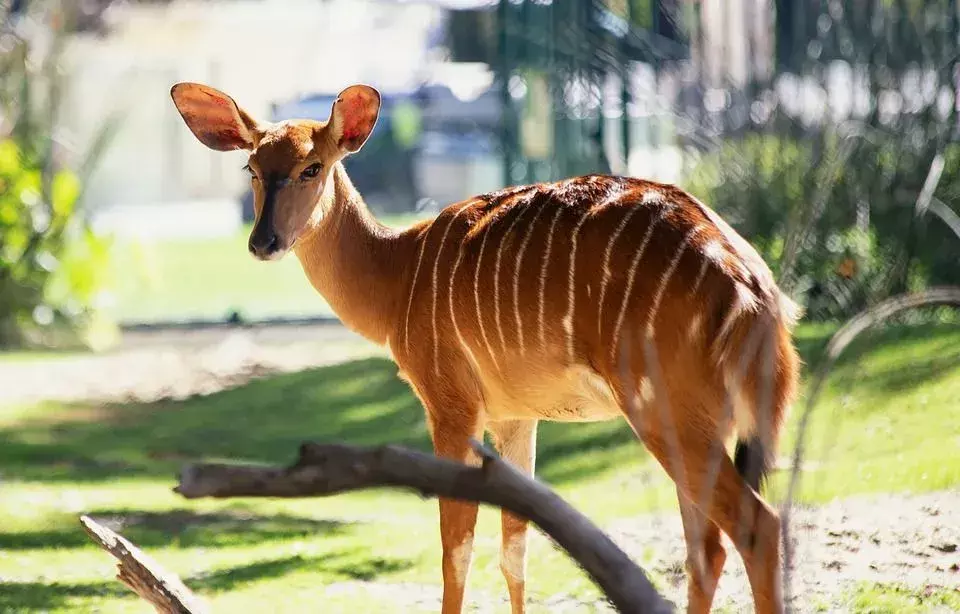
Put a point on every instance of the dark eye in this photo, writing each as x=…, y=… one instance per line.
x=250, y=170
x=311, y=171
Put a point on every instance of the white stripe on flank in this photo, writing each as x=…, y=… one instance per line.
x=631, y=276
x=413, y=287
x=543, y=276
x=436, y=264
x=665, y=279
x=700, y=276
x=612, y=197
x=516, y=276
x=606, y=265
x=453, y=316
x=571, y=288
x=476, y=296
x=496, y=275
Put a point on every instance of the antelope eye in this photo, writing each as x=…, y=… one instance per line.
x=247, y=168
x=311, y=171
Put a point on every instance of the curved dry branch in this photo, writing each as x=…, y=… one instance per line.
x=330, y=469
x=144, y=576
x=948, y=295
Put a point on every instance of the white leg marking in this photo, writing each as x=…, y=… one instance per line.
x=476, y=298
x=436, y=264
x=631, y=275
x=496, y=277
x=460, y=558
x=413, y=287
x=516, y=277
x=513, y=556
x=543, y=276
x=665, y=278
x=646, y=389
x=606, y=265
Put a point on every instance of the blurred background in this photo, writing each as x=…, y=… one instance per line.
x=811, y=125
x=137, y=332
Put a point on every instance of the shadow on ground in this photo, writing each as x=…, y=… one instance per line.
x=361, y=402
x=179, y=527
x=347, y=565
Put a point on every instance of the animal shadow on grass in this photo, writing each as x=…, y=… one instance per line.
x=348, y=565
x=41, y=596
x=264, y=420
x=182, y=528
x=361, y=402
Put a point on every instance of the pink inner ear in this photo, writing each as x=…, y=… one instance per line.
x=357, y=114
x=225, y=137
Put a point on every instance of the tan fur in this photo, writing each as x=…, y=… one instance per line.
x=588, y=299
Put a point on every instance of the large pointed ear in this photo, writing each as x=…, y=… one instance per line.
x=214, y=118
x=353, y=117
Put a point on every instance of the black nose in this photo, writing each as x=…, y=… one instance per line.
x=264, y=243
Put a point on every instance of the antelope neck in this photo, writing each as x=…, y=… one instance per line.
x=356, y=263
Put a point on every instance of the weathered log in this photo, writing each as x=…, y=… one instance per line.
x=144, y=576
x=326, y=469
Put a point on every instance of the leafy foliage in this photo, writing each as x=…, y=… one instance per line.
x=847, y=205
x=52, y=265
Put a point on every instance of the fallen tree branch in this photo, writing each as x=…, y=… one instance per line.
x=330, y=469
x=144, y=576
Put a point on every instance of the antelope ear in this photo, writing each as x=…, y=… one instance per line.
x=353, y=117
x=214, y=118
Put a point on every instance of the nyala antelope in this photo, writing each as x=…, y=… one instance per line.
x=588, y=299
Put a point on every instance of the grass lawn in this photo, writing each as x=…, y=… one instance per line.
x=209, y=279
x=888, y=422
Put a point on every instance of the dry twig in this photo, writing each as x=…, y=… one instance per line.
x=330, y=469
x=144, y=576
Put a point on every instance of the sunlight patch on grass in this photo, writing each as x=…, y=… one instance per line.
x=897, y=599
x=887, y=422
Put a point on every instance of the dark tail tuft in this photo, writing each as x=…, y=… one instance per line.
x=750, y=459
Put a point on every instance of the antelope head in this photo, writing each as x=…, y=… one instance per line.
x=290, y=162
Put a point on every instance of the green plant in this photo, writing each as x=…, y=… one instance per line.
x=835, y=217
x=53, y=267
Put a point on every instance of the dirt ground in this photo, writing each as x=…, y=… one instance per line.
x=915, y=540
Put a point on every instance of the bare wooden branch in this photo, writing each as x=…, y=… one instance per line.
x=144, y=576
x=330, y=469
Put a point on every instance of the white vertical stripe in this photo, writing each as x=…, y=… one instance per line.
x=612, y=197
x=606, y=265
x=413, y=287
x=700, y=276
x=543, y=276
x=631, y=276
x=516, y=275
x=571, y=286
x=665, y=279
x=496, y=274
x=436, y=264
x=476, y=295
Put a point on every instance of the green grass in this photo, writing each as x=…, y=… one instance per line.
x=211, y=278
x=887, y=422
x=899, y=599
